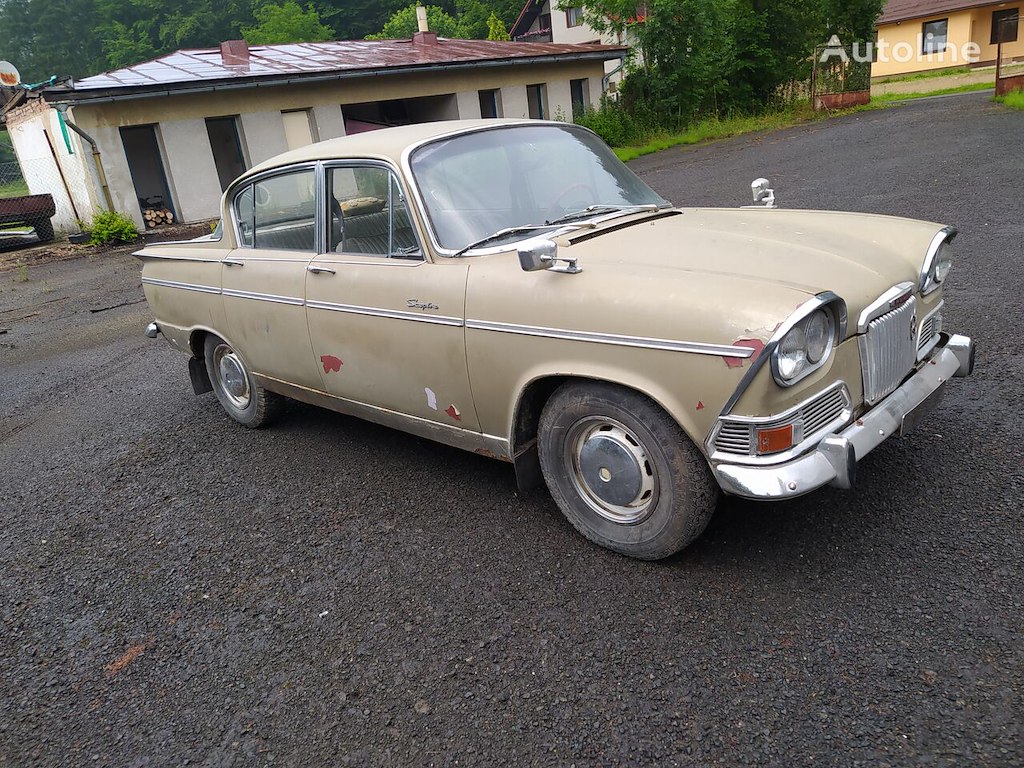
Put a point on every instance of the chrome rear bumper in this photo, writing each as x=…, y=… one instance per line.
x=834, y=460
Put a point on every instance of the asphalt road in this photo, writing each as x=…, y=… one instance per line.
x=175, y=589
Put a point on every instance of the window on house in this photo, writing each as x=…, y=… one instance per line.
x=1004, y=25
x=935, y=34
x=573, y=17
x=227, y=148
x=298, y=128
x=369, y=214
x=579, y=91
x=490, y=103
x=279, y=213
x=545, y=23
x=537, y=101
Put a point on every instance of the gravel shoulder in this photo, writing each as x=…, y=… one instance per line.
x=175, y=589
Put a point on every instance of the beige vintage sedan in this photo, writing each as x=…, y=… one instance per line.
x=511, y=288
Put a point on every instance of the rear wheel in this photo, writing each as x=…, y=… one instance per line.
x=44, y=230
x=623, y=472
x=244, y=400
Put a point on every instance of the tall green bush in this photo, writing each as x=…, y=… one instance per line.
x=109, y=227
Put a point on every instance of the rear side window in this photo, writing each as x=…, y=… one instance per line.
x=279, y=213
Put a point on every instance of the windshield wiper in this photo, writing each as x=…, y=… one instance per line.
x=498, y=235
x=593, y=210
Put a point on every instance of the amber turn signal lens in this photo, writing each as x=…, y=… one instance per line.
x=775, y=439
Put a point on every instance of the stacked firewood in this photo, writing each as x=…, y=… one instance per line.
x=157, y=217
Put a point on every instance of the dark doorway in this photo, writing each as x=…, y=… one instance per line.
x=146, y=165
x=227, y=148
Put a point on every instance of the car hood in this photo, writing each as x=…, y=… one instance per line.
x=856, y=256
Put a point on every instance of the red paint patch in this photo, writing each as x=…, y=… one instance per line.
x=700, y=406
x=331, y=363
x=454, y=413
x=755, y=344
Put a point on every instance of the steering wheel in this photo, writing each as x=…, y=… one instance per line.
x=574, y=197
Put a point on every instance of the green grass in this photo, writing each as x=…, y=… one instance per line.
x=713, y=129
x=1013, y=100
x=14, y=189
x=884, y=99
x=926, y=75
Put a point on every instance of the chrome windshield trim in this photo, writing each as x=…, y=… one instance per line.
x=884, y=303
x=182, y=286
x=667, y=345
x=393, y=314
x=271, y=297
x=821, y=300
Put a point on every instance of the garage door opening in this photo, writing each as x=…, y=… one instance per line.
x=146, y=165
x=371, y=115
x=227, y=149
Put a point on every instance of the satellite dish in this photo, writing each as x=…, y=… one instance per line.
x=9, y=75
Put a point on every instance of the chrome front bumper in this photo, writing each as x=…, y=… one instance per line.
x=834, y=460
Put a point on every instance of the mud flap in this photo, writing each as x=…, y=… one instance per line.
x=200, y=378
x=528, y=473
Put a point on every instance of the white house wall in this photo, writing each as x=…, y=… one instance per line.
x=188, y=159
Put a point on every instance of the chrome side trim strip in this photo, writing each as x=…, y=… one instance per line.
x=182, y=286
x=393, y=314
x=668, y=345
x=273, y=298
x=141, y=256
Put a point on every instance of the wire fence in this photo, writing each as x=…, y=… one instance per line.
x=12, y=183
x=67, y=183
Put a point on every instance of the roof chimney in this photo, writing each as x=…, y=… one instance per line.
x=424, y=36
x=234, y=52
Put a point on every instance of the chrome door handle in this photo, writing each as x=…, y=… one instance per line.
x=232, y=263
x=320, y=270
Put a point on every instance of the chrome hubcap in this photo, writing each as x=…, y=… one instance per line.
x=234, y=381
x=611, y=470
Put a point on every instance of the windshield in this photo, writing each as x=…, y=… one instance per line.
x=477, y=184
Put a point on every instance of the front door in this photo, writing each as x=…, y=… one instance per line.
x=263, y=280
x=387, y=326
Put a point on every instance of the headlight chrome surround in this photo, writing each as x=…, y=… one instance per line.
x=805, y=342
x=937, y=261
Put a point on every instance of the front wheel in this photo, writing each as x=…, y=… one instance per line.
x=244, y=400
x=623, y=472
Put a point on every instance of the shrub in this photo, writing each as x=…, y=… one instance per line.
x=112, y=227
x=616, y=124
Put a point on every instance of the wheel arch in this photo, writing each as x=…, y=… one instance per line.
x=526, y=420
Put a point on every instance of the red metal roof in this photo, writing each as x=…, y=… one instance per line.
x=371, y=56
x=902, y=10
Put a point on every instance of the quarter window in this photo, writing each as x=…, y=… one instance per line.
x=279, y=213
x=935, y=35
x=369, y=214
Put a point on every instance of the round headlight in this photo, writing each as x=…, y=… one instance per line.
x=818, y=333
x=943, y=263
x=792, y=355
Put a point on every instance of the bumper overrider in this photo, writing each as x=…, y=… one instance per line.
x=833, y=461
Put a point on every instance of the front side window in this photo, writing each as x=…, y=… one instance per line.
x=935, y=35
x=278, y=213
x=478, y=183
x=368, y=213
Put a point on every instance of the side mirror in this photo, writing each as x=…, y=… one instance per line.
x=537, y=255
x=762, y=193
x=543, y=254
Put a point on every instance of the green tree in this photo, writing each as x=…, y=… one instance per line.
x=288, y=23
x=403, y=25
x=496, y=29
x=852, y=20
x=471, y=17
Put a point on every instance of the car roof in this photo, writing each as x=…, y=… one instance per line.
x=387, y=143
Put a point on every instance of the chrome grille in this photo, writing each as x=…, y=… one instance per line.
x=737, y=438
x=931, y=326
x=888, y=350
